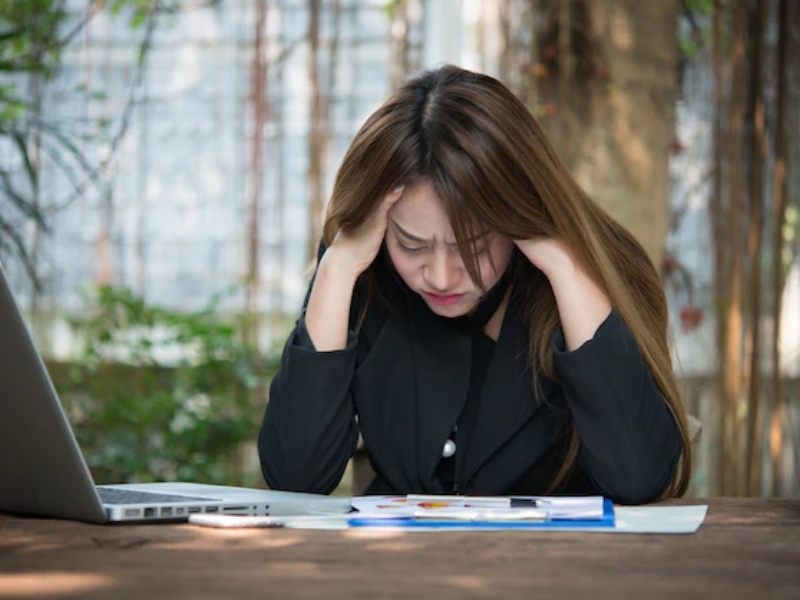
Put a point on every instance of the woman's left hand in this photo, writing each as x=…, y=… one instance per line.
x=549, y=255
x=582, y=304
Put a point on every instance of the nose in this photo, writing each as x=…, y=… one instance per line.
x=443, y=271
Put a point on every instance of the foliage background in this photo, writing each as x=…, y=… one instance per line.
x=155, y=152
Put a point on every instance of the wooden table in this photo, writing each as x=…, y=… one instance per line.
x=747, y=548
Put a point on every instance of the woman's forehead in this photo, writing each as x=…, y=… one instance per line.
x=420, y=194
x=421, y=212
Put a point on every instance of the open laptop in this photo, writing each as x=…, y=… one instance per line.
x=42, y=470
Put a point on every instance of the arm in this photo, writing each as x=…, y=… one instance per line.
x=309, y=430
x=582, y=306
x=350, y=254
x=328, y=307
x=630, y=443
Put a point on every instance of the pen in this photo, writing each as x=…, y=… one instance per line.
x=528, y=502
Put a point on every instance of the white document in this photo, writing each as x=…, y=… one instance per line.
x=658, y=519
x=481, y=514
x=628, y=519
x=552, y=507
x=382, y=507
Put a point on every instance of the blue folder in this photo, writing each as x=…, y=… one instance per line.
x=606, y=522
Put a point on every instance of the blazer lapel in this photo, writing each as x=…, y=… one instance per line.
x=441, y=358
x=507, y=401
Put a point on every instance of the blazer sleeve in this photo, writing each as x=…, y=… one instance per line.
x=309, y=431
x=630, y=442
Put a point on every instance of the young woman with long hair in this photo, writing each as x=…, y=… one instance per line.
x=481, y=322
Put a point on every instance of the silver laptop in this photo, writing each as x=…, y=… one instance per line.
x=42, y=470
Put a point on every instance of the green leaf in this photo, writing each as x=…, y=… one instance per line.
x=138, y=19
x=688, y=47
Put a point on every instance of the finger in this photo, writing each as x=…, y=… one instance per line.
x=392, y=197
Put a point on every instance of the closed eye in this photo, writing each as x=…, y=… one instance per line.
x=409, y=250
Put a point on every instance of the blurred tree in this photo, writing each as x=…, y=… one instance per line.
x=784, y=224
x=316, y=134
x=31, y=42
x=258, y=100
x=398, y=42
x=322, y=82
x=606, y=88
x=405, y=39
x=756, y=106
x=33, y=35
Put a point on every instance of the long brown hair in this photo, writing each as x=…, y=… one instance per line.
x=492, y=168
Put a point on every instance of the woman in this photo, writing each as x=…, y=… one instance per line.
x=483, y=324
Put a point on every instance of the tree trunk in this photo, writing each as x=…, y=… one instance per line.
x=258, y=81
x=732, y=318
x=719, y=233
x=779, y=203
x=738, y=208
x=398, y=43
x=315, y=135
x=758, y=156
x=609, y=104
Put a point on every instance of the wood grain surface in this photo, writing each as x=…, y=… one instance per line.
x=746, y=548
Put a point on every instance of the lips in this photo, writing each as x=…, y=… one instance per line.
x=444, y=299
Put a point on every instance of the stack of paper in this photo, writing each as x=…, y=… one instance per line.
x=487, y=514
x=480, y=508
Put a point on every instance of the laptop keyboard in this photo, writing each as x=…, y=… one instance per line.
x=117, y=496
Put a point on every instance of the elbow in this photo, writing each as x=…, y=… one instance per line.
x=298, y=468
x=643, y=483
x=284, y=472
x=285, y=482
x=634, y=493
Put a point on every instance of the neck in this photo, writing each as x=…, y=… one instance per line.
x=495, y=323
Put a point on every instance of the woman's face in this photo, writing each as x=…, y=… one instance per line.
x=423, y=248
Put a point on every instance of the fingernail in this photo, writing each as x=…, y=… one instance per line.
x=398, y=189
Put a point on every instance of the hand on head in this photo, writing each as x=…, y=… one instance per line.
x=549, y=255
x=356, y=250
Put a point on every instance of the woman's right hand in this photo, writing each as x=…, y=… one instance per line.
x=354, y=251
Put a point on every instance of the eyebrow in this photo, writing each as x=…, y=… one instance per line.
x=419, y=240
x=413, y=238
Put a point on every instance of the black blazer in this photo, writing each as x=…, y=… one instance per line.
x=402, y=382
